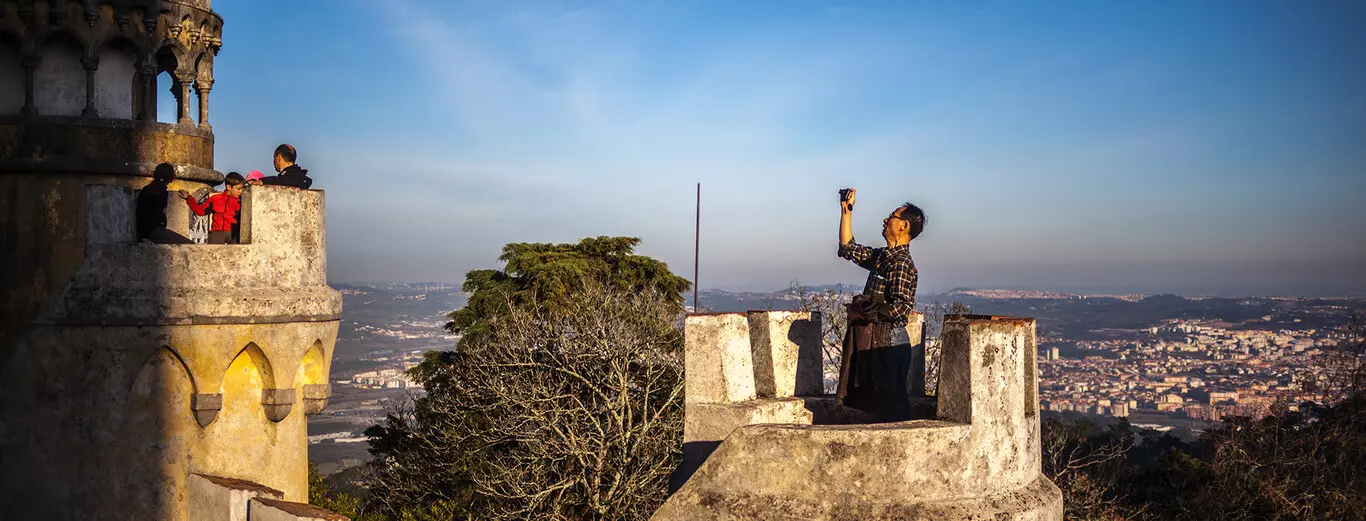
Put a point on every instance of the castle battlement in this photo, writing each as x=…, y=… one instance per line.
x=978, y=457
x=277, y=274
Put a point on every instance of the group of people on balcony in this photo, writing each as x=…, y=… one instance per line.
x=225, y=208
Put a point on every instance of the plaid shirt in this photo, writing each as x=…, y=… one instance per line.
x=891, y=274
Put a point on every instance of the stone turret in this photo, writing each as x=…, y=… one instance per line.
x=78, y=106
x=976, y=457
x=127, y=369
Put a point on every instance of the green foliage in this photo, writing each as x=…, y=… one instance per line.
x=320, y=495
x=547, y=275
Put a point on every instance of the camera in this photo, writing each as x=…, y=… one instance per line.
x=844, y=196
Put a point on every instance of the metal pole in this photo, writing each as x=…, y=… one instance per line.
x=696, y=250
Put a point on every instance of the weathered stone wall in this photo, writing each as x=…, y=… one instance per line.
x=980, y=459
x=66, y=145
x=114, y=82
x=59, y=83
x=153, y=362
x=11, y=77
x=43, y=221
x=743, y=369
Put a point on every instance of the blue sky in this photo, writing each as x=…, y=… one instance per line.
x=1191, y=147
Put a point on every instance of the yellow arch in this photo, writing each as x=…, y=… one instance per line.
x=313, y=367
x=251, y=357
x=174, y=357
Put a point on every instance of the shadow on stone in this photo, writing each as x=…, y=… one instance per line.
x=694, y=452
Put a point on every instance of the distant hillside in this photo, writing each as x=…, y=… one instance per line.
x=1076, y=316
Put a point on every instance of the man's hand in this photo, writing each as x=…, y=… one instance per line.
x=847, y=206
x=183, y=194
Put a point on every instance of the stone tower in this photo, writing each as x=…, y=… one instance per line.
x=789, y=455
x=144, y=381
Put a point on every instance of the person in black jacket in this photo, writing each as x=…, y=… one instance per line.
x=150, y=212
x=291, y=174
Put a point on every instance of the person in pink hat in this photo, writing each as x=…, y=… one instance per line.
x=255, y=175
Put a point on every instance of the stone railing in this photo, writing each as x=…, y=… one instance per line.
x=279, y=274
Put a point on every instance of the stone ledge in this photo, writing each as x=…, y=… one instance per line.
x=315, y=397
x=1039, y=500
x=715, y=421
x=108, y=146
x=217, y=498
x=241, y=484
x=94, y=166
x=277, y=403
x=705, y=425
x=192, y=306
x=206, y=407
x=266, y=509
x=924, y=459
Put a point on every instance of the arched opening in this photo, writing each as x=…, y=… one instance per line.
x=114, y=80
x=167, y=90
x=166, y=98
x=241, y=442
x=313, y=368
x=311, y=382
x=248, y=373
x=59, y=82
x=11, y=75
x=161, y=427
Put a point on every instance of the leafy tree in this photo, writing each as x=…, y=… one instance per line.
x=546, y=276
x=563, y=399
x=320, y=495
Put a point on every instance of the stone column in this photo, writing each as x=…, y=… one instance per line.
x=30, y=63
x=182, y=89
x=203, y=86
x=91, y=64
x=148, y=77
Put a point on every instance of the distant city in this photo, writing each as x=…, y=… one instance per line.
x=1162, y=362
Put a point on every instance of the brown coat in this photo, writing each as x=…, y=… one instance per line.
x=868, y=328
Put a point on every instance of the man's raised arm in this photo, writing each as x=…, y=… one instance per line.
x=846, y=215
x=861, y=255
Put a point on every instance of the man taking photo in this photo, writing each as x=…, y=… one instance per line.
x=877, y=348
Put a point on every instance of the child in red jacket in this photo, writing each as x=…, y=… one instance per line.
x=226, y=207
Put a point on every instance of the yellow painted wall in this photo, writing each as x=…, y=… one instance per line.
x=110, y=432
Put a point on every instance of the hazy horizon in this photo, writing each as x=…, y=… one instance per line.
x=1181, y=147
x=1188, y=289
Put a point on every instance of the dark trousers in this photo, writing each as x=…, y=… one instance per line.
x=220, y=238
x=880, y=382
